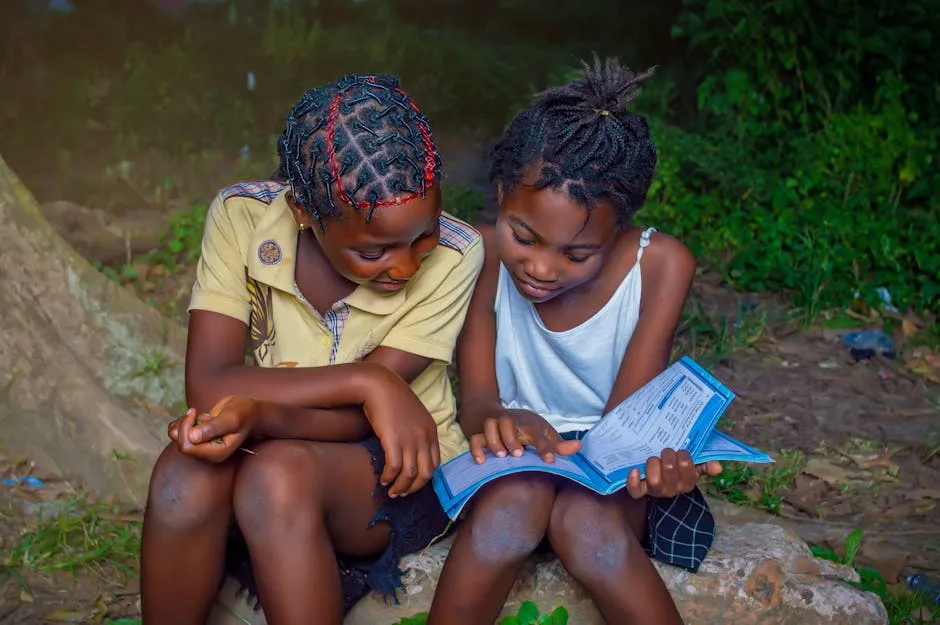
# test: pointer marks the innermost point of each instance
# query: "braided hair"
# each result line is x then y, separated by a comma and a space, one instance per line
583, 140
359, 141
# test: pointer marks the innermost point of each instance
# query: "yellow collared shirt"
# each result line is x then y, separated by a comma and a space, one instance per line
247, 269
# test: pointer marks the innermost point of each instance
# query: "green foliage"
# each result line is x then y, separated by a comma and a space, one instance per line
761, 488
528, 614
83, 533
463, 201
904, 606
809, 165
182, 239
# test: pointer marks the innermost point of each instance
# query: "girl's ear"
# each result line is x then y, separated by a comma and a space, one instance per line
499, 193
301, 217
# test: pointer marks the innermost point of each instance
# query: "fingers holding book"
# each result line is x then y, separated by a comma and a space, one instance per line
512, 430
671, 474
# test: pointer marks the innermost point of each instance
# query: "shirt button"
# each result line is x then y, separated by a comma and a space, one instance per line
327, 342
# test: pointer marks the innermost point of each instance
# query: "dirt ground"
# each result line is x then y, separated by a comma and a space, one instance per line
867, 431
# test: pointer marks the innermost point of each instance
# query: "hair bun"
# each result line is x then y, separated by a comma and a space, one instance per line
608, 86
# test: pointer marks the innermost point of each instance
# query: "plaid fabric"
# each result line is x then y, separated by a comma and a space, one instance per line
336, 321
455, 234
679, 531
263, 191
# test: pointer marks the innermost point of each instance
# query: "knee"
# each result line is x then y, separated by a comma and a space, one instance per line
592, 541
278, 485
186, 492
510, 518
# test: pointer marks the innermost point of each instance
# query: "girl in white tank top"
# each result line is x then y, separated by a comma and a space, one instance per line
575, 309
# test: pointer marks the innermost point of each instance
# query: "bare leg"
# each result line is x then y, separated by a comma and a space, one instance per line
597, 539
295, 502
507, 522
189, 511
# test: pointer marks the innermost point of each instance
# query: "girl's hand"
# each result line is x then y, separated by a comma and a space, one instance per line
669, 475
407, 432
512, 430
217, 435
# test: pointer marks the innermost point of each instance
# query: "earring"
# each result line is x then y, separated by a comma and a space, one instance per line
301, 227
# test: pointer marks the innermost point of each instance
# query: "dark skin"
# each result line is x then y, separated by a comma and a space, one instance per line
305, 492
569, 268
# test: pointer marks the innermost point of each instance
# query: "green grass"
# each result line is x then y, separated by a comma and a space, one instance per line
904, 606
710, 338
85, 534
761, 488
528, 614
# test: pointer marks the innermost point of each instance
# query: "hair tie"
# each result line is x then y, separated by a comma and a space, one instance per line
602, 111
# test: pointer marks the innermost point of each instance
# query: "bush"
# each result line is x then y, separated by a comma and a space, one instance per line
821, 196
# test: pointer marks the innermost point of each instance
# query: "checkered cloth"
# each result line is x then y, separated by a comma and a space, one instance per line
680, 531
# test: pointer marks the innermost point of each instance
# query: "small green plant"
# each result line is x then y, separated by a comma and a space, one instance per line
710, 338
762, 488
85, 534
904, 606
528, 614
182, 239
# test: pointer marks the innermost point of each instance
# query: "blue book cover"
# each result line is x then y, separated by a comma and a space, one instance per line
677, 409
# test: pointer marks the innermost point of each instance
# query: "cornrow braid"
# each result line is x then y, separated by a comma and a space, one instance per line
583, 140
360, 141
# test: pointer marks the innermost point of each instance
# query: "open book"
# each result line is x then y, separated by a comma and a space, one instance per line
677, 409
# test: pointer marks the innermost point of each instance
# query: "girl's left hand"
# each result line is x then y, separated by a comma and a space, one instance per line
217, 435
669, 475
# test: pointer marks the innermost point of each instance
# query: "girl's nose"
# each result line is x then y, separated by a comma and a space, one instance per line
406, 265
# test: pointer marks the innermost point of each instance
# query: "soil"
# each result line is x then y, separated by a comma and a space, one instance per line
868, 432
862, 427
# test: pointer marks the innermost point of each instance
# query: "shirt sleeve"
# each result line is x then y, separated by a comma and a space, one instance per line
220, 285
431, 328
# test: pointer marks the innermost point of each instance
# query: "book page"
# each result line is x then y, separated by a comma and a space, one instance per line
720, 446
463, 473
658, 416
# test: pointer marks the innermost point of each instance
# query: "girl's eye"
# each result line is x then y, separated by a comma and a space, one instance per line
520, 239
578, 259
372, 255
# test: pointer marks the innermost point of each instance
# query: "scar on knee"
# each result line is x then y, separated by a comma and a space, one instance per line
599, 550
176, 497
502, 535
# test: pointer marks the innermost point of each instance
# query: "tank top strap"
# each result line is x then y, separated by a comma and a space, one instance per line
644, 241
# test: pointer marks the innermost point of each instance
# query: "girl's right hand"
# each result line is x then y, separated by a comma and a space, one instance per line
513, 429
407, 432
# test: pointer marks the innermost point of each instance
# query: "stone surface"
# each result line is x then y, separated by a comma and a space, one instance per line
86, 368
756, 573
108, 239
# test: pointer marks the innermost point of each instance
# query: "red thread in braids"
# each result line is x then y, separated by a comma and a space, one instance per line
427, 143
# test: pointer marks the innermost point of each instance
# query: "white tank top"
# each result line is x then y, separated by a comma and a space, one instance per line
566, 377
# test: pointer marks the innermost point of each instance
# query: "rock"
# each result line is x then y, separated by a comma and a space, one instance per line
756, 573
109, 239
81, 358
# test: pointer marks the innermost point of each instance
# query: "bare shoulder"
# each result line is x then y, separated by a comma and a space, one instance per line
484, 294
490, 256
667, 261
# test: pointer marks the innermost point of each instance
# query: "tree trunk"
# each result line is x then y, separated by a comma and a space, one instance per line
88, 372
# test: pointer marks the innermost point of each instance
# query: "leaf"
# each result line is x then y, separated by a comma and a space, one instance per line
825, 553
560, 616
852, 544
68, 616
824, 470
881, 459
528, 613
510, 620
